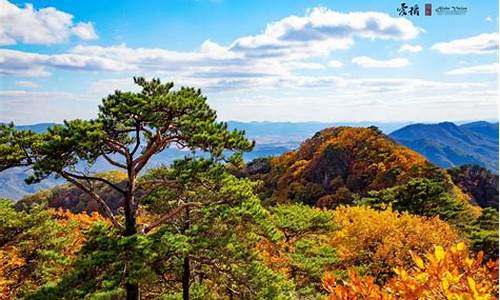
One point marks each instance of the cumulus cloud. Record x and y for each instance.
(368, 62)
(85, 31)
(19, 63)
(44, 26)
(321, 31)
(410, 48)
(484, 43)
(479, 69)
(286, 45)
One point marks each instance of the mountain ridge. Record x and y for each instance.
(275, 138)
(450, 145)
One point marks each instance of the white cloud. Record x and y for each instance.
(410, 48)
(488, 19)
(479, 69)
(335, 64)
(484, 43)
(85, 31)
(286, 45)
(368, 62)
(27, 84)
(321, 31)
(44, 26)
(19, 63)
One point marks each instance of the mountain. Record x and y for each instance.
(272, 138)
(449, 145)
(445, 144)
(38, 128)
(339, 164)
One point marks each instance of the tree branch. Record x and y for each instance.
(113, 162)
(169, 215)
(137, 137)
(154, 145)
(116, 146)
(107, 211)
(82, 177)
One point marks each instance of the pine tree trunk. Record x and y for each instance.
(132, 289)
(185, 279)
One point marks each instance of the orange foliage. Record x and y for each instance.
(10, 261)
(275, 255)
(449, 274)
(381, 240)
(20, 256)
(363, 157)
(78, 223)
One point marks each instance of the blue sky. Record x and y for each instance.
(255, 60)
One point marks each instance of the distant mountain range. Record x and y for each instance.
(448, 145)
(445, 144)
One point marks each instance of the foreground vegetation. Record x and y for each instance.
(349, 215)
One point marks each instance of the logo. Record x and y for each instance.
(428, 9)
(451, 10)
(405, 10)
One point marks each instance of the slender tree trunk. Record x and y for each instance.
(129, 216)
(132, 289)
(185, 279)
(186, 267)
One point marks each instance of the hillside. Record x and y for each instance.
(479, 183)
(339, 164)
(449, 145)
(75, 200)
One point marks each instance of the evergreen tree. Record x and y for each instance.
(131, 127)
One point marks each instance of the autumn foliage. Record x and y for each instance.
(349, 215)
(441, 274)
(338, 163)
(40, 249)
(381, 240)
(349, 238)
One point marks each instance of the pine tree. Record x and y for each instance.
(131, 127)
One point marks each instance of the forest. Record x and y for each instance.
(350, 214)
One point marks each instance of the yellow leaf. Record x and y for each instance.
(445, 284)
(439, 253)
(472, 284)
(469, 261)
(417, 260)
(460, 246)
